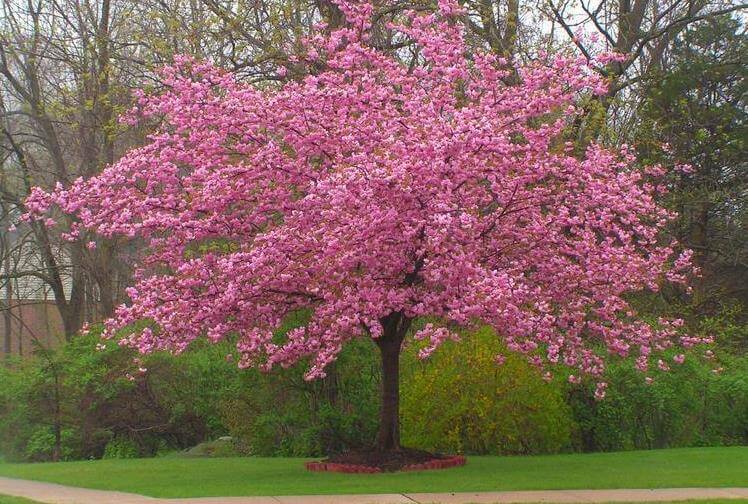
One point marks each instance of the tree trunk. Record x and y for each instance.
(330, 384)
(7, 340)
(390, 342)
(71, 311)
(73, 308)
(7, 314)
(57, 426)
(105, 278)
(699, 242)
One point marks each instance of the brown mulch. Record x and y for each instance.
(386, 461)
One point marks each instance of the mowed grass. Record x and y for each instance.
(177, 477)
(6, 499)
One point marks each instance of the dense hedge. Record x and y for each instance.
(79, 403)
(461, 401)
(690, 405)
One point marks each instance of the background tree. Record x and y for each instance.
(61, 83)
(695, 114)
(643, 30)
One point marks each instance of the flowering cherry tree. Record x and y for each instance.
(374, 193)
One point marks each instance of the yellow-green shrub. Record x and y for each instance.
(461, 400)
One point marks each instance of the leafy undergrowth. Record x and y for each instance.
(203, 477)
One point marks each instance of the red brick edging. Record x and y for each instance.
(457, 460)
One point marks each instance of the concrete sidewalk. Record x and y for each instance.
(51, 493)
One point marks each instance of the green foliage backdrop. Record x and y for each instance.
(78, 403)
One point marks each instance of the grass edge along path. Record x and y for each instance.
(183, 477)
(52, 493)
(7, 499)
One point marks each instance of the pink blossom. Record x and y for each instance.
(370, 189)
(600, 389)
(684, 168)
(611, 57)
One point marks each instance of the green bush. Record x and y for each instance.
(40, 446)
(86, 395)
(179, 402)
(461, 401)
(78, 403)
(15, 411)
(121, 448)
(282, 414)
(690, 405)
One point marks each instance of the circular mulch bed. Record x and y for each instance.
(376, 462)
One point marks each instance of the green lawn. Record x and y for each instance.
(5, 499)
(181, 477)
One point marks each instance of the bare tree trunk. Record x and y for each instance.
(330, 385)
(57, 427)
(71, 321)
(699, 242)
(104, 276)
(104, 266)
(7, 315)
(8, 327)
(390, 343)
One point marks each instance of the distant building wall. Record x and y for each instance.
(32, 323)
(34, 317)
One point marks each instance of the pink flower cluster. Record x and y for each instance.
(373, 187)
